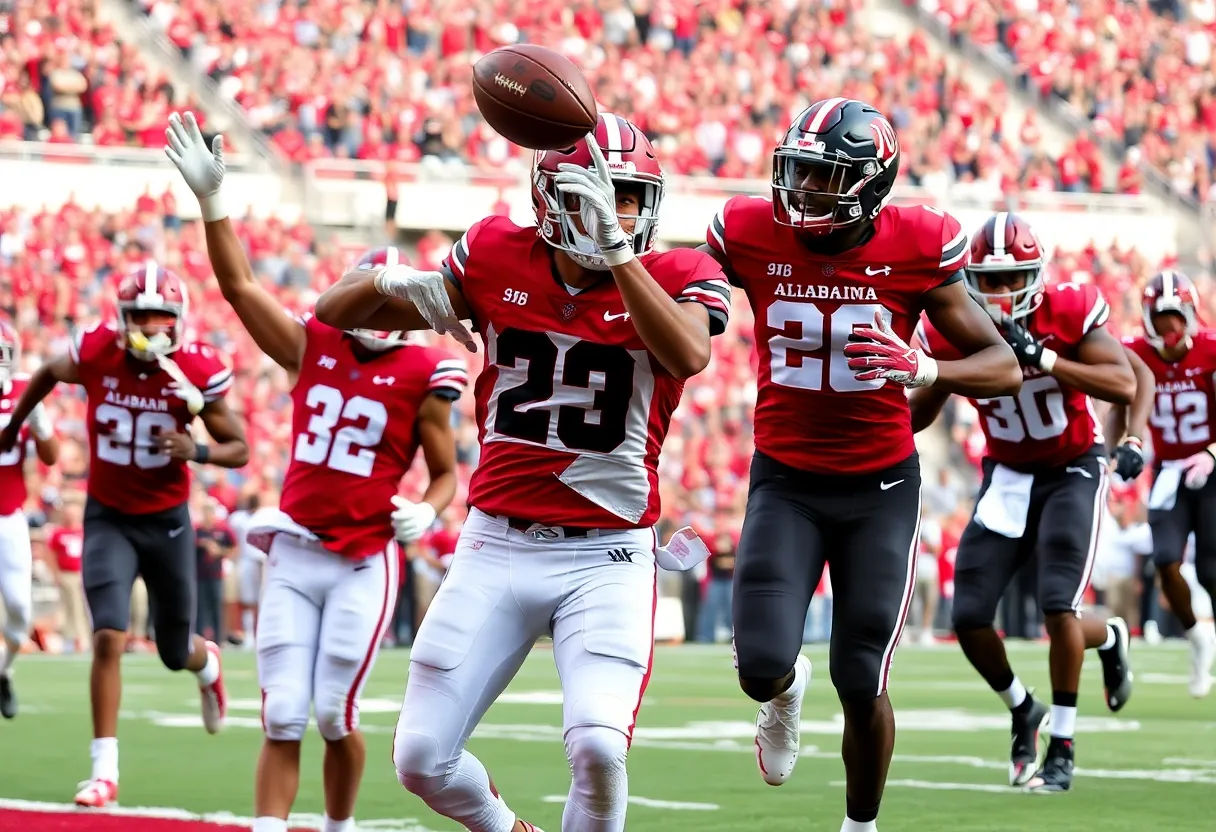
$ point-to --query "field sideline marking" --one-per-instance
(931, 785)
(307, 821)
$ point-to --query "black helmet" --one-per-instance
(835, 167)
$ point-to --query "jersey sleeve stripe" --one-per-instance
(1097, 316)
(717, 232)
(459, 256)
(217, 385)
(718, 315)
(955, 250)
(709, 299)
(717, 287)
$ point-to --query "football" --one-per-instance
(534, 97)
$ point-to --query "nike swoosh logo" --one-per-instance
(619, 316)
(177, 531)
(885, 486)
(871, 271)
(1071, 469)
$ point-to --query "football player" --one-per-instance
(363, 402)
(1043, 491)
(1181, 354)
(144, 383)
(16, 558)
(589, 335)
(838, 279)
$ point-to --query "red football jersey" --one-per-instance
(130, 405)
(12, 464)
(1182, 419)
(572, 408)
(353, 435)
(1047, 424)
(68, 547)
(811, 411)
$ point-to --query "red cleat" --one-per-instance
(97, 794)
(215, 700)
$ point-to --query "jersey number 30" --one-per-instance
(348, 450)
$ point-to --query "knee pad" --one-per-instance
(416, 758)
(761, 690)
(597, 761)
(284, 715)
(331, 709)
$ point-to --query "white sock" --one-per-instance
(1015, 695)
(11, 649)
(210, 671)
(104, 752)
(269, 825)
(797, 687)
(1110, 638)
(1201, 634)
(858, 826)
(332, 825)
(1063, 721)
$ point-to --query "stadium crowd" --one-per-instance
(57, 271)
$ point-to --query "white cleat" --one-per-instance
(214, 697)
(1203, 653)
(97, 793)
(777, 729)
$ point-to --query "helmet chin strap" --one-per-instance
(587, 254)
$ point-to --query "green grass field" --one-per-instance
(691, 768)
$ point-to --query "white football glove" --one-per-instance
(426, 290)
(200, 166)
(597, 204)
(411, 520)
(191, 395)
(684, 551)
(1198, 467)
(40, 423)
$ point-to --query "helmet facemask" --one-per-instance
(1017, 303)
(1170, 340)
(562, 210)
(157, 339)
(822, 193)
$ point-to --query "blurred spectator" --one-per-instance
(214, 544)
(715, 613)
(66, 545)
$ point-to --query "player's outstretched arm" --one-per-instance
(42, 382)
(990, 368)
(1101, 369)
(438, 441)
(230, 449)
(393, 298)
(278, 335)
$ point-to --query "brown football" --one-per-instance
(534, 96)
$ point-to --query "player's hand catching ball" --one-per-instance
(597, 204)
(411, 520)
(178, 446)
(1129, 459)
(200, 166)
(877, 352)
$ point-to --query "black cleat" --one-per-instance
(1116, 668)
(1025, 756)
(8, 698)
(1056, 773)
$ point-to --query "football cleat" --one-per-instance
(778, 734)
(215, 699)
(96, 794)
(1056, 773)
(1116, 669)
(1203, 653)
(8, 698)
(1025, 755)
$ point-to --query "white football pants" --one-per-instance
(322, 617)
(596, 596)
(16, 577)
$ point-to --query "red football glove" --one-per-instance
(878, 352)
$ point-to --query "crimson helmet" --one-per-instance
(10, 351)
(631, 161)
(378, 339)
(1006, 246)
(1170, 291)
(835, 167)
(152, 288)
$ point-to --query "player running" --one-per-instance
(16, 557)
(589, 336)
(363, 402)
(1044, 488)
(838, 280)
(1182, 358)
(145, 384)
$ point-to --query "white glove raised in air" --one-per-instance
(411, 520)
(597, 204)
(429, 294)
(200, 166)
(40, 423)
(684, 551)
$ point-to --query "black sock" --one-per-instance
(1063, 699)
(860, 814)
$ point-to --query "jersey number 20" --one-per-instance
(349, 449)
